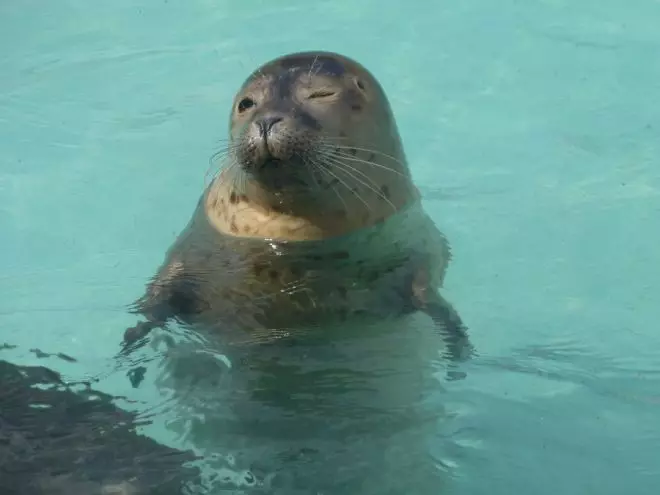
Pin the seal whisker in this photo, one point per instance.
(315, 167)
(322, 170)
(227, 165)
(345, 156)
(220, 156)
(236, 175)
(351, 171)
(226, 147)
(311, 67)
(210, 173)
(325, 169)
(328, 142)
(242, 181)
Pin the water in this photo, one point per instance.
(531, 129)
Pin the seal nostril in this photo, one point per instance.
(266, 124)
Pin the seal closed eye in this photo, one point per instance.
(313, 218)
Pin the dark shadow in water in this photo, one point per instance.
(57, 441)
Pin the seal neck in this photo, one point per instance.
(254, 211)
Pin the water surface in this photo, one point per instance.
(531, 129)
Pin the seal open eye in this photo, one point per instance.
(245, 104)
(323, 93)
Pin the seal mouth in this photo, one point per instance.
(256, 155)
(276, 173)
(274, 151)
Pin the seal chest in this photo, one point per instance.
(314, 216)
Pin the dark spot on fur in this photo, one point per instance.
(233, 227)
(273, 274)
(244, 198)
(277, 208)
(247, 229)
(386, 191)
(233, 199)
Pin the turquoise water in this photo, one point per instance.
(532, 130)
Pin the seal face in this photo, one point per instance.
(314, 152)
(313, 218)
(289, 113)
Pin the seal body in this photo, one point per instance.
(314, 218)
(258, 290)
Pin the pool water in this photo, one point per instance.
(531, 128)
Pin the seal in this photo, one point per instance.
(313, 217)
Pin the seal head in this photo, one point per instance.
(314, 152)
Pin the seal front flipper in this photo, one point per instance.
(169, 294)
(427, 299)
(449, 322)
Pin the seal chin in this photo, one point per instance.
(275, 159)
(273, 172)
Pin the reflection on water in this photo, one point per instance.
(349, 414)
(54, 440)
